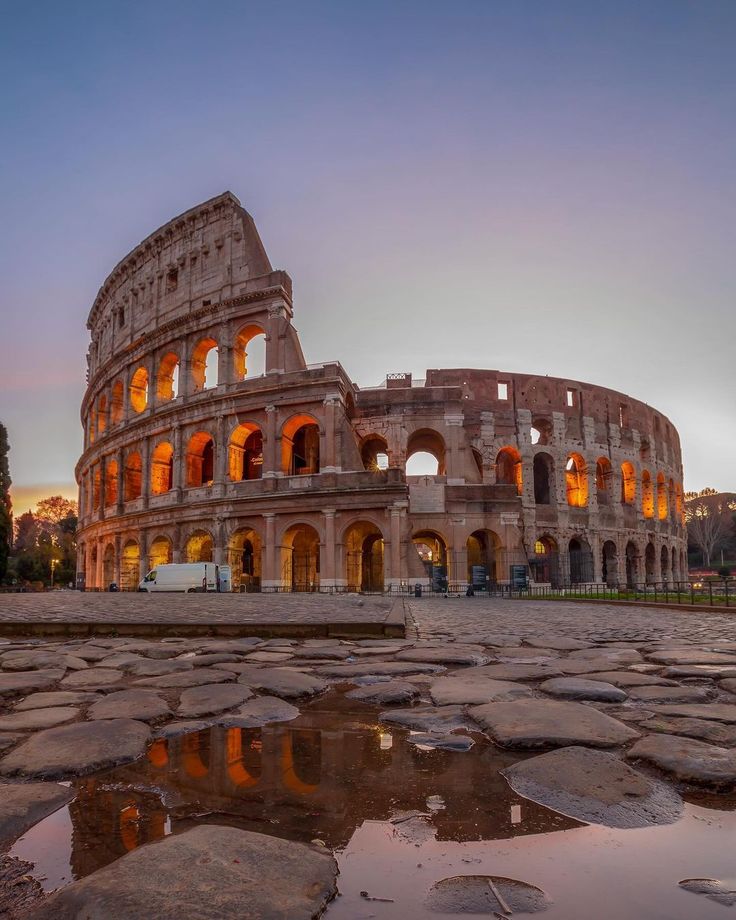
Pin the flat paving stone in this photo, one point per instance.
(211, 698)
(550, 723)
(49, 698)
(269, 657)
(207, 659)
(522, 653)
(331, 653)
(8, 739)
(558, 643)
(670, 694)
(678, 672)
(687, 759)
(594, 786)
(619, 655)
(261, 710)
(92, 677)
(719, 712)
(473, 895)
(383, 694)
(367, 668)
(284, 682)
(77, 749)
(24, 804)
(35, 719)
(692, 656)
(147, 668)
(435, 719)
(729, 684)
(627, 679)
(143, 705)
(493, 639)
(209, 872)
(578, 688)
(445, 656)
(715, 732)
(440, 742)
(32, 661)
(28, 681)
(184, 727)
(193, 678)
(468, 689)
(516, 672)
(579, 666)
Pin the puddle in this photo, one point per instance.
(403, 820)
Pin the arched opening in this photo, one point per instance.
(628, 483)
(111, 483)
(249, 352)
(508, 468)
(662, 508)
(664, 562)
(93, 567)
(198, 547)
(117, 401)
(425, 454)
(543, 467)
(364, 557)
(671, 497)
(647, 494)
(91, 426)
(244, 557)
(374, 453)
(632, 564)
(130, 566)
(161, 552)
(101, 414)
(245, 453)
(609, 564)
(300, 446)
(96, 487)
(300, 558)
(301, 761)
(205, 365)
(244, 753)
(576, 481)
(162, 468)
(167, 384)
(132, 477)
(545, 562)
(108, 566)
(478, 460)
(650, 561)
(432, 551)
(675, 565)
(200, 460)
(482, 547)
(580, 558)
(678, 501)
(542, 431)
(139, 390)
(603, 480)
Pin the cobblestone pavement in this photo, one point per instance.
(78, 607)
(466, 617)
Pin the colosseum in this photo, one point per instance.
(207, 437)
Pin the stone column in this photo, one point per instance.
(176, 547)
(180, 464)
(454, 451)
(103, 485)
(327, 462)
(271, 576)
(219, 550)
(100, 563)
(271, 445)
(221, 451)
(457, 570)
(395, 555)
(275, 338)
(328, 574)
(121, 481)
(145, 470)
(143, 558)
(118, 559)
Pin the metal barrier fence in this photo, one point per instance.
(712, 593)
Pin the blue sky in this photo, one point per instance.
(542, 187)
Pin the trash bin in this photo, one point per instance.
(113, 586)
(417, 590)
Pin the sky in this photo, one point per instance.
(541, 187)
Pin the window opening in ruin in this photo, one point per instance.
(111, 483)
(662, 508)
(647, 494)
(130, 566)
(199, 547)
(609, 564)
(580, 561)
(300, 560)
(167, 384)
(432, 552)
(503, 390)
(244, 558)
(482, 547)
(200, 460)
(373, 448)
(543, 469)
(116, 402)
(422, 463)
(623, 416)
(101, 414)
(121, 317)
(576, 481)
(544, 564)
(300, 446)
(571, 398)
(205, 365)
(535, 434)
(245, 460)
(132, 477)
(162, 468)
(381, 460)
(509, 468)
(139, 390)
(160, 553)
(425, 454)
(249, 353)
(172, 280)
(96, 487)
(664, 562)
(364, 557)
(628, 483)
(108, 565)
(650, 560)
(541, 431)
(603, 479)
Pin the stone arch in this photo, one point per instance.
(428, 443)
(200, 460)
(647, 494)
(130, 565)
(300, 557)
(199, 546)
(167, 380)
(111, 482)
(632, 564)
(244, 753)
(245, 453)
(205, 364)
(542, 430)
(650, 561)
(244, 554)
(138, 390)
(300, 436)
(162, 468)
(431, 549)
(101, 413)
(675, 564)
(576, 481)
(483, 548)
(132, 477)
(628, 483)
(603, 480)
(364, 556)
(249, 340)
(544, 471)
(160, 552)
(117, 402)
(301, 760)
(671, 497)
(664, 564)
(545, 562)
(662, 506)
(108, 566)
(609, 560)
(509, 468)
(374, 452)
(580, 557)
(97, 496)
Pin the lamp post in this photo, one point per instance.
(53, 566)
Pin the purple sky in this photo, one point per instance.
(535, 187)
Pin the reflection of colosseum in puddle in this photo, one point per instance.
(301, 783)
(300, 479)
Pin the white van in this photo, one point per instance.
(187, 576)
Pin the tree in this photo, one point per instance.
(708, 522)
(6, 508)
(46, 541)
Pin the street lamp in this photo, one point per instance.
(53, 566)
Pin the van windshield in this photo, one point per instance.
(151, 576)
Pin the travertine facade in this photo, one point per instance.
(297, 477)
